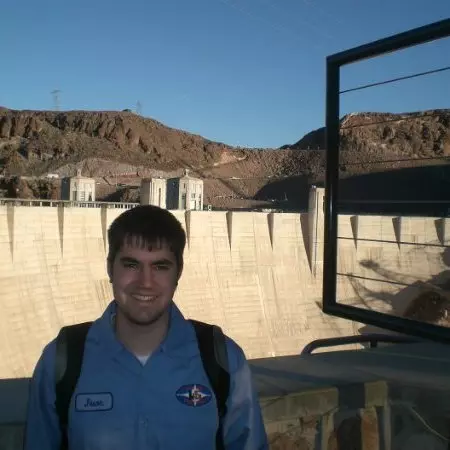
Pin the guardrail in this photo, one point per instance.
(373, 339)
(65, 203)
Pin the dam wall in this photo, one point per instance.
(258, 275)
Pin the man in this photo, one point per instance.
(142, 383)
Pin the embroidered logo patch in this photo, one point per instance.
(194, 395)
(102, 401)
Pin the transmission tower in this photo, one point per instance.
(139, 108)
(55, 94)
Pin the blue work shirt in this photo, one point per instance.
(120, 404)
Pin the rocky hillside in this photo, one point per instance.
(113, 145)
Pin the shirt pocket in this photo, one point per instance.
(190, 428)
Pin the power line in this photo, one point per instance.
(324, 12)
(274, 25)
(393, 80)
(316, 28)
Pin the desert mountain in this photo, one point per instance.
(121, 147)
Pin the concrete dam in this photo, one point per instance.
(258, 275)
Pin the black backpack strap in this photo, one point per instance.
(213, 351)
(69, 359)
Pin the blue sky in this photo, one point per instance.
(244, 72)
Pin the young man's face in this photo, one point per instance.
(143, 282)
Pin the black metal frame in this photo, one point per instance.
(372, 339)
(434, 31)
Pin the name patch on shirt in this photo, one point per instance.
(194, 395)
(102, 401)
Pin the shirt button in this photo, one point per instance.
(144, 422)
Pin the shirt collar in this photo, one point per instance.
(180, 340)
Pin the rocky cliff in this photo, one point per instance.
(114, 144)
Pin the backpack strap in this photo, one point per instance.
(70, 340)
(213, 351)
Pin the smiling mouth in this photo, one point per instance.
(144, 298)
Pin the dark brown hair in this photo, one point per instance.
(151, 227)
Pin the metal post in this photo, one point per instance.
(331, 185)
